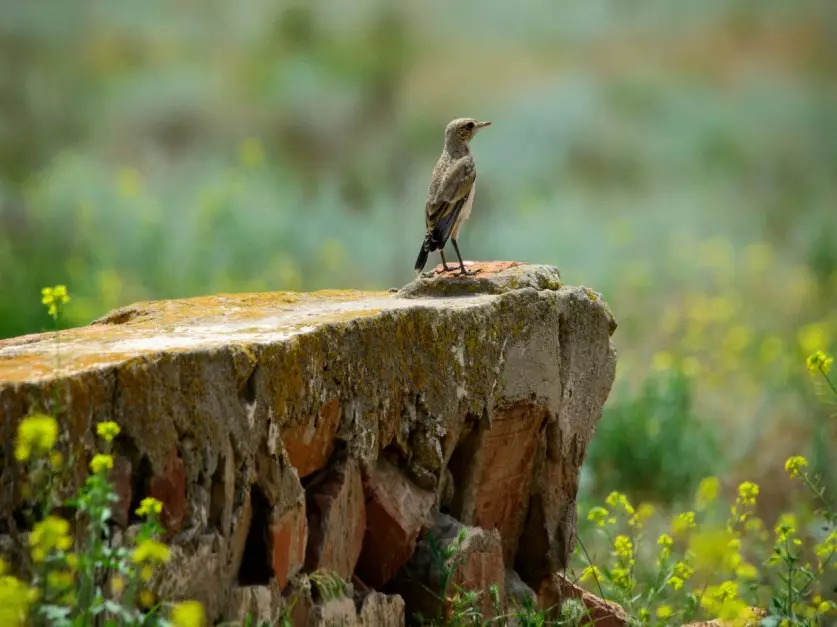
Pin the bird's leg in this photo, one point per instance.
(444, 263)
(462, 269)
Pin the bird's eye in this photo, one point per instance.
(469, 126)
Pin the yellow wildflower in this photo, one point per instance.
(54, 298)
(683, 570)
(146, 598)
(151, 552)
(707, 492)
(621, 577)
(36, 434)
(50, 533)
(623, 548)
(117, 584)
(618, 500)
(150, 506)
(664, 612)
(675, 582)
(188, 614)
(683, 523)
(746, 571)
(747, 493)
(796, 465)
(643, 513)
(598, 515)
(146, 572)
(56, 460)
(101, 463)
(15, 599)
(107, 430)
(819, 362)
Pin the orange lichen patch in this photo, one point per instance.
(482, 268)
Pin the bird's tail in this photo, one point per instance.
(421, 261)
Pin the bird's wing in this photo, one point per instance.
(443, 209)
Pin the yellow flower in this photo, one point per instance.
(152, 552)
(101, 463)
(36, 434)
(150, 506)
(746, 571)
(683, 523)
(146, 572)
(188, 614)
(819, 362)
(623, 548)
(796, 465)
(707, 492)
(107, 430)
(117, 584)
(683, 570)
(15, 599)
(146, 598)
(50, 533)
(664, 612)
(56, 460)
(598, 515)
(675, 582)
(747, 493)
(665, 540)
(618, 500)
(54, 298)
(621, 577)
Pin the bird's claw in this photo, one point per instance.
(464, 272)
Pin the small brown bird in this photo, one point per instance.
(451, 193)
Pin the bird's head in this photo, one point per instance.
(463, 129)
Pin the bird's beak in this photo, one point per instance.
(483, 124)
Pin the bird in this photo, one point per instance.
(451, 194)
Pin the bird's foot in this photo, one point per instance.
(446, 268)
(464, 272)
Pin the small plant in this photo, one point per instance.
(82, 582)
(328, 584)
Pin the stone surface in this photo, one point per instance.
(490, 277)
(601, 613)
(288, 539)
(262, 603)
(382, 610)
(336, 521)
(396, 511)
(480, 565)
(232, 405)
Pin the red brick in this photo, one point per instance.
(169, 487)
(396, 511)
(309, 445)
(288, 537)
(502, 476)
(336, 522)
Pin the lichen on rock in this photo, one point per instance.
(269, 423)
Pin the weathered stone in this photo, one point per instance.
(120, 478)
(382, 610)
(309, 445)
(333, 613)
(336, 521)
(396, 510)
(491, 277)
(169, 487)
(195, 572)
(517, 592)
(480, 566)
(288, 538)
(261, 603)
(600, 613)
(221, 397)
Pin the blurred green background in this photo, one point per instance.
(680, 157)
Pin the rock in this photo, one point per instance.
(336, 521)
(479, 566)
(169, 487)
(333, 613)
(517, 592)
(492, 277)
(382, 610)
(261, 603)
(396, 510)
(288, 539)
(309, 444)
(195, 572)
(600, 613)
(228, 404)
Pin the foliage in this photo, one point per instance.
(75, 579)
(653, 445)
